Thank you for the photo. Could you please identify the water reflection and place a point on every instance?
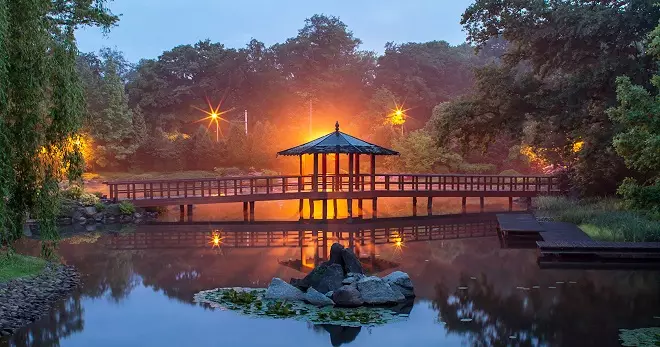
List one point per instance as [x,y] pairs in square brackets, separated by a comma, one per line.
[145,279]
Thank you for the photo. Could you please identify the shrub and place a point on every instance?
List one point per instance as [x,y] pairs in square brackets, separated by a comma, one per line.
[98,194]
[268,172]
[88,199]
[99,206]
[510,172]
[73,192]
[126,208]
[228,171]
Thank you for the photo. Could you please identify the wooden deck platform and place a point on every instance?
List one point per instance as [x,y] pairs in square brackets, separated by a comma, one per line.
[598,254]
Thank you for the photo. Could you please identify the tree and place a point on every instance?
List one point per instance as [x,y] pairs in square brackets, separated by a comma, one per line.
[116,131]
[41,107]
[638,141]
[558,74]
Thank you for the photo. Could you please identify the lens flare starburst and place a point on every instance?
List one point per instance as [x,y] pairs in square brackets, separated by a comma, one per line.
[214,115]
[215,240]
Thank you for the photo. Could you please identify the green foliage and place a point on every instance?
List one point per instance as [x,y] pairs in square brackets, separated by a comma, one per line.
[41,107]
[126,208]
[14,265]
[239,297]
[643,337]
[100,207]
[228,171]
[280,309]
[554,84]
[641,197]
[88,199]
[74,192]
[602,219]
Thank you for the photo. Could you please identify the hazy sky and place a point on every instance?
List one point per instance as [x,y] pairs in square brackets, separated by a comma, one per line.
[149,27]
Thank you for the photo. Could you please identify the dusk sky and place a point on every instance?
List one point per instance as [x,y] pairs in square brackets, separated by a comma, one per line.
[149,27]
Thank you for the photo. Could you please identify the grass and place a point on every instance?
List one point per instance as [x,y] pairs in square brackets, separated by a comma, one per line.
[16,265]
[602,219]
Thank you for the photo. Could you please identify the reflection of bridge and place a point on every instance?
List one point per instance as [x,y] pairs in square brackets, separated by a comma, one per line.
[305,235]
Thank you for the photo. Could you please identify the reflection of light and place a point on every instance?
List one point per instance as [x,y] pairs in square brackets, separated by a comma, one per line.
[215,240]
[578,146]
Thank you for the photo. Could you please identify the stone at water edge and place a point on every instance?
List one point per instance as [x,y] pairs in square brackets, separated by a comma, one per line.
[324,278]
[351,262]
[329,294]
[90,211]
[280,290]
[401,281]
[347,296]
[375,291]
[317,298]
[336,254]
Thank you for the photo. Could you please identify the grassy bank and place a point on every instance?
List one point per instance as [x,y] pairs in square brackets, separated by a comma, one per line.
[602,219]
[17,265]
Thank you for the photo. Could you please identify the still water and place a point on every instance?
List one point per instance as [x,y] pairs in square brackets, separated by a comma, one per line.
[139,281]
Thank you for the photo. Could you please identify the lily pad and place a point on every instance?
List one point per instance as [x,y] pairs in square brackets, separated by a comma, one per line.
[252,302]
[643,337]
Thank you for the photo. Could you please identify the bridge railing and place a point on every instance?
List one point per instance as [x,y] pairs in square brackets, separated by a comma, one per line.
[253,185]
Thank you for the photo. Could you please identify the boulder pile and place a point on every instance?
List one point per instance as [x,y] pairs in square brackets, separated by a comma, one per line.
[341,282]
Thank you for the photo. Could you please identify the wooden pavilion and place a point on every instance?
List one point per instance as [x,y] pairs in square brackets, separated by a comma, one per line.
[337,143]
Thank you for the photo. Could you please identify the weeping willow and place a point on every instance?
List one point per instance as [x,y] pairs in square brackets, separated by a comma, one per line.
[41,109]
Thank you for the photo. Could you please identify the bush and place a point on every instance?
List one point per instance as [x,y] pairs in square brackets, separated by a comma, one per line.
[73,192]
[228,171]
[98,194]
[88,199]
[126,208]
[267,172]
[510,172]
[99,206]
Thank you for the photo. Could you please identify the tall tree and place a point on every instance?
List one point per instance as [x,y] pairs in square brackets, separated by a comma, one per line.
[41,107]
[638,139]
[556,79]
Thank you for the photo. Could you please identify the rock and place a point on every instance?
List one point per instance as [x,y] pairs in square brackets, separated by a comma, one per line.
[79,215]
[376,291]
[137,215]
[347,296]
[99,216]
[349,280]
[280,290]
[351,262]
[329,294]
[299,283]
[90,211]
[336,254]
[112,210]
[359,276]
[401,281]
[323,278]
[316,298]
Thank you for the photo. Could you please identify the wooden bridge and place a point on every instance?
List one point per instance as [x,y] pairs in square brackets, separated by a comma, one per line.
[359,187]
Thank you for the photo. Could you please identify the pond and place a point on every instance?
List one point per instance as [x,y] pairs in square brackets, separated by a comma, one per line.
[139,282]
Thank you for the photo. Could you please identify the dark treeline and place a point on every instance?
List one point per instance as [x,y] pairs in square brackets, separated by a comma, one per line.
[145,117]
[533,90]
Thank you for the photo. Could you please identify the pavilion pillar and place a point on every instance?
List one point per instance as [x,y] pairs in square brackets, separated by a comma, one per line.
[349,201]
[429,206]
[373,172]
[510,203]
[357,171]
[464,204]
[315,178]
[300,179]
[324,170]
[481,203]
[337,177]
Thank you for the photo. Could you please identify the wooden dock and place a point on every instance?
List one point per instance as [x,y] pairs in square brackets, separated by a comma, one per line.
[563,244]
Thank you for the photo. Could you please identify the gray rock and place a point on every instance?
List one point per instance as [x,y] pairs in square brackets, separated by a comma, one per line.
[329,294]
[347,296]
[79,215]
[90,211]
[316,298]
[99,216]
[401,281]
[137,215]
[280,290]
[324,278]
[375,291]
[336,254]
[351,262]
[349,280]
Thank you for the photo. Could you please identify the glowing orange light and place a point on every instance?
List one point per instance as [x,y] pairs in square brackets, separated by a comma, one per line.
[214,115]
[397,116]
[215,240]
[578,146]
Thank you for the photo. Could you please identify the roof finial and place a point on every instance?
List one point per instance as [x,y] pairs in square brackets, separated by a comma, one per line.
[337,126]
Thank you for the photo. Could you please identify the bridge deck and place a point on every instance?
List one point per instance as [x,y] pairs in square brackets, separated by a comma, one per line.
[265,188]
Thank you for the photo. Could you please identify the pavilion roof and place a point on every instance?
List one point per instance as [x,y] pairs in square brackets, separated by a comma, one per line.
[338,142]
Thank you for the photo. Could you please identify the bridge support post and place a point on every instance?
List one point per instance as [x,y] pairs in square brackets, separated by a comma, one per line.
[311,209]
[251,211]
[349,201]
[300,209]
[510,203]
[464,204]
[360,208]
[335,209]
[325,209]
[315,178]
[414,206]
[481,203]
[429,206]
[245,211]
[374,208]
[190,212]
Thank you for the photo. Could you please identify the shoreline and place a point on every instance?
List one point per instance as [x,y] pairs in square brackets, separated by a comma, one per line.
[26,299]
